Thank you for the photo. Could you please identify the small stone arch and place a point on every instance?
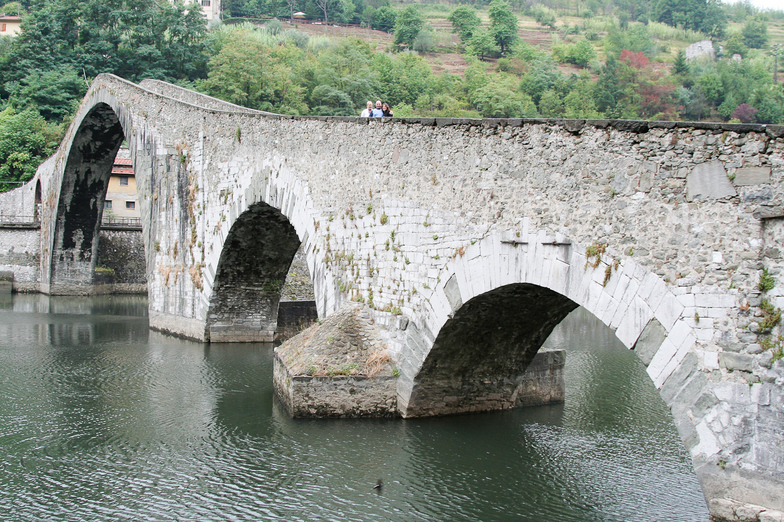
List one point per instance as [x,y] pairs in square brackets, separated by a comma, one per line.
[253,264]
[633,302]
[478,359]
[37,203]
[256,255]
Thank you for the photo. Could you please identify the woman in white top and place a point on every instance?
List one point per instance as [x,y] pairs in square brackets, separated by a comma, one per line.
[368,111]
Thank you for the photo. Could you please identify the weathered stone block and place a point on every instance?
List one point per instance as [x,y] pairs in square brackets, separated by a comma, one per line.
[771,515]
[751,176]
[650,340]
[736,361]
[709,181]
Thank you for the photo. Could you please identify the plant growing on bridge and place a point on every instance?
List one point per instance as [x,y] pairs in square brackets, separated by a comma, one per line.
[273,285]
[766,282]
[609,271]
[594,251]
[771,315]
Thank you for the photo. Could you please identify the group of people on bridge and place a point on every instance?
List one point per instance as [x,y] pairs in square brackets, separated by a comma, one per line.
[381,110]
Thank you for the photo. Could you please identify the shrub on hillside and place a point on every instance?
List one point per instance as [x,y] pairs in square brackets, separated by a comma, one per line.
[745,113]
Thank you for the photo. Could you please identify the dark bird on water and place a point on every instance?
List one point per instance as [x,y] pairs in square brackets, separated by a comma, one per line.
[378,485]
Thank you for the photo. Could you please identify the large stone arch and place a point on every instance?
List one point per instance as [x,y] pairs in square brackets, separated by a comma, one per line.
[78,207]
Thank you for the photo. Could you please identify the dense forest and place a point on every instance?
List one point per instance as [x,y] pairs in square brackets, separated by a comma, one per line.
[612,58]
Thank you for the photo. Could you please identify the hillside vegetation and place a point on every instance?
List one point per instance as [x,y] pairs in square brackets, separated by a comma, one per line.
[570,59]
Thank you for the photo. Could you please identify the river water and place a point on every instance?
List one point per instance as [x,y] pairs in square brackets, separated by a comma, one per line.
[102,419]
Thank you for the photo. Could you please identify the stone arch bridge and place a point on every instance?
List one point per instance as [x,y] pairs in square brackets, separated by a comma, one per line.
[466,240]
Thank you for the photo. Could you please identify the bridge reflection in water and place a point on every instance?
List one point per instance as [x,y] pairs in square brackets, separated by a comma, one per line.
[104,420]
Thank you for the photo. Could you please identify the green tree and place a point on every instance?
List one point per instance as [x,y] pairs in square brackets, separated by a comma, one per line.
[711,88]
[608,92]
[699,15]
[500,99]
[407,26]
[580,53]
[579,103]
[249,73]
[12,9]
[542,76]
[551,105]
[482,44]
[637,39]
[755,34]
[342,71]
[25,140]
[132,38]
[680,65]
[55,94]
[423,43]
[384,19]
[735,44]
[544,15]
[503,25]
[465,22]
[403,78]
[770,103]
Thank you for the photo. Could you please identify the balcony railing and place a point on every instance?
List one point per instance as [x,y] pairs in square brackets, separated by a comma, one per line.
[121,222]
[31,220]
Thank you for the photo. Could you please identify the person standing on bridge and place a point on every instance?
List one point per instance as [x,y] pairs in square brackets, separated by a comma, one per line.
[386,110]
[367,112]
[377,112]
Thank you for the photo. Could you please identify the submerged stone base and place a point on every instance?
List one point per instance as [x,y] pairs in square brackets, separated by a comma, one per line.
[323,396]
[339,368]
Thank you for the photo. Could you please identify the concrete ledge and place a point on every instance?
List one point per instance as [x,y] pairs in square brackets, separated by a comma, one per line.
[234,333]
[186,327]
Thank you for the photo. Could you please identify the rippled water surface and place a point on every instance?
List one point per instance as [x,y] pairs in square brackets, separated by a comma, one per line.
[101,419]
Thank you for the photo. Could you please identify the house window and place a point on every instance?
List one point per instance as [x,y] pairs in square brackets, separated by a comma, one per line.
[3,29]
[205,3]
[124,181]
[107,204]
[130,205]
